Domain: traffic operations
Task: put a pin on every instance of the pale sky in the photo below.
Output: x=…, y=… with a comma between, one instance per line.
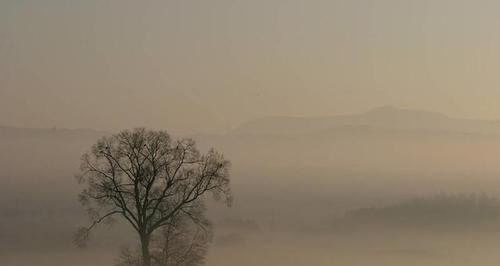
x=205, y=66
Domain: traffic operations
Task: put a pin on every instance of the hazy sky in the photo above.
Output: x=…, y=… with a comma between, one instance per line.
x=207, y=65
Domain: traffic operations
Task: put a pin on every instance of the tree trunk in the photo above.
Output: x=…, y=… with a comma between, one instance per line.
x=146, y=257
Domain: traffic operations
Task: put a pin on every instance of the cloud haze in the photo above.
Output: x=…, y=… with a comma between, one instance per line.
x=207, y=66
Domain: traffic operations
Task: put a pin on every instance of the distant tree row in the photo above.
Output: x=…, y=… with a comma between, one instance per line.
x=440, y=211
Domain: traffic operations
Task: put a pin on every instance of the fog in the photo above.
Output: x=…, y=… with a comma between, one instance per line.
x=125, y=63
x=359, y=132
x=350, y=194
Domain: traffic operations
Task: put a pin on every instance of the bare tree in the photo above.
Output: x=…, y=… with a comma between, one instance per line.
x=149, y=180
x=184, y=242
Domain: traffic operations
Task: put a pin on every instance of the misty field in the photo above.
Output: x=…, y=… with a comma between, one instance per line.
x=293, y=250
x=345, y=196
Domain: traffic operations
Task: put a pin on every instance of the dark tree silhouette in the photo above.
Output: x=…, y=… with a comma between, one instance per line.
x=149, y=180
x=184, y=242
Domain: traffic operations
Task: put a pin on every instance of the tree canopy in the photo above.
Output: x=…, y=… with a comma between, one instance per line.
x=149, y=179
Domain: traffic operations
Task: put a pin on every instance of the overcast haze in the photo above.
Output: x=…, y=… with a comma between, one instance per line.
x=207, y=66
x=359, y=132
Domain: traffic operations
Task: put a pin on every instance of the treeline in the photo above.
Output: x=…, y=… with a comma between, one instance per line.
x=443, y=212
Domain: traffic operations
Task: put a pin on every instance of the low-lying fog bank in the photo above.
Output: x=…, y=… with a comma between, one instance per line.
x=345, y=195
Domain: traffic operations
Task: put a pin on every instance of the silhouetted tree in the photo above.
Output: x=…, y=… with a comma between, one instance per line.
x=183, y=242
x=149, y=180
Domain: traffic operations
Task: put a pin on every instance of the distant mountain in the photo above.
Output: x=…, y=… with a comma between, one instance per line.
x=387, y=117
